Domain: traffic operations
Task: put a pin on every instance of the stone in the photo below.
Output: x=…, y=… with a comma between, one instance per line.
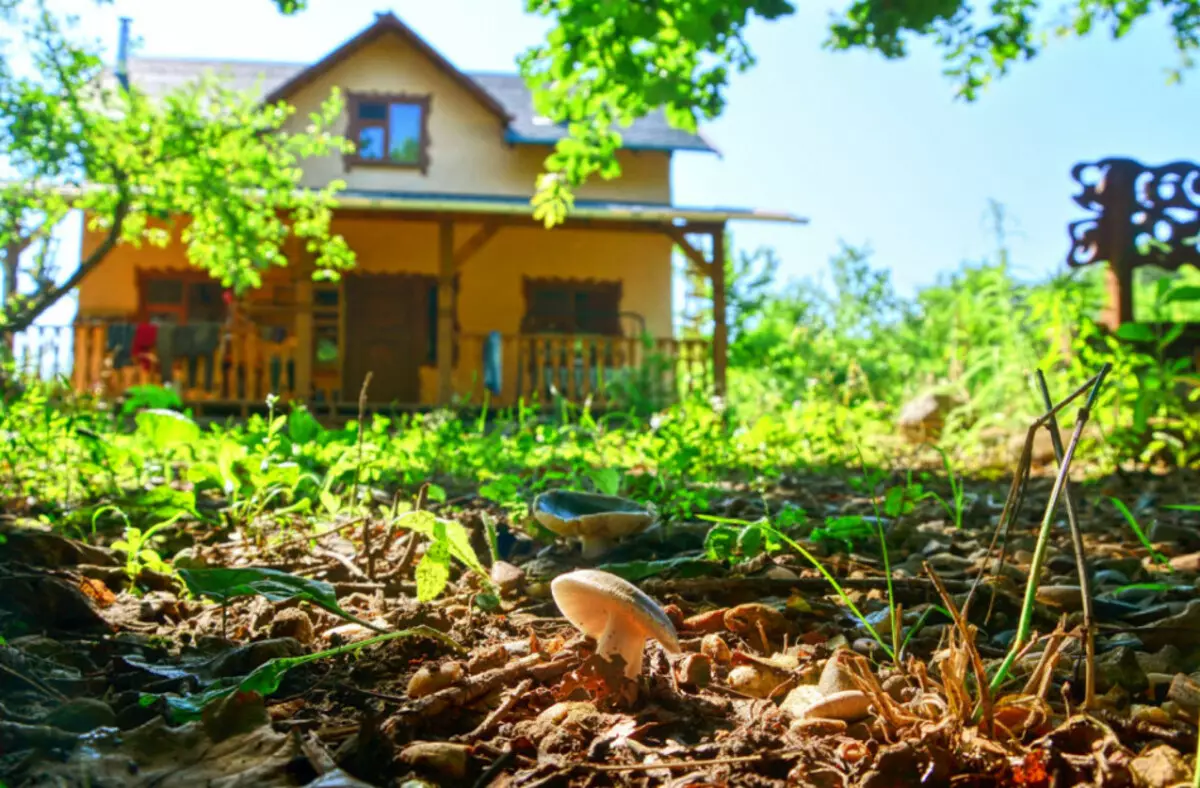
x=445, y=759
x=1120, y=668
x=1159, y=767
x=81, y=715
x=922, y=419
x=509, y=579
x=244, y=659
x=292, y=622
x=1177, y=535
x=1111, y=577
x=1186, y=563
x=1167, y=659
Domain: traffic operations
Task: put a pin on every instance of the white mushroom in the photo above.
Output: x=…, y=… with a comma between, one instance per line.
x=597, y=520
x=614, y=612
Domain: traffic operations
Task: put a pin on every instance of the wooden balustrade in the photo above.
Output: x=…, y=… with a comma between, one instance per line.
x=608, y=372
x=244, y=369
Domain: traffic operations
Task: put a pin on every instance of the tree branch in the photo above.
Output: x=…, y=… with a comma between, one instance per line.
x=41, y=301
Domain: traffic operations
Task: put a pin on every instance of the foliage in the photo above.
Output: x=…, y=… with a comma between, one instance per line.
x=605, y=63
x=225, y=584
x=74, y=139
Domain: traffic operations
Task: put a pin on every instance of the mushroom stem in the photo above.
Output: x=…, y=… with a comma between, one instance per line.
x=594, y=546
x=617, y=639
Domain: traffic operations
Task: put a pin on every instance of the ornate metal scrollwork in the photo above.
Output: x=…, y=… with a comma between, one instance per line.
x=1134, y=205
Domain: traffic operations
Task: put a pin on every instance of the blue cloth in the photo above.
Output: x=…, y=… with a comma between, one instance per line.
x=492, y=362
x=120, y=344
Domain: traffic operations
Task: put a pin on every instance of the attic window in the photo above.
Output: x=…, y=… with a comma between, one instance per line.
x=389, y=131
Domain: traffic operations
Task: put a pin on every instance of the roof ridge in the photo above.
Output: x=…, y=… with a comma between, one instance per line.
x=231, y=60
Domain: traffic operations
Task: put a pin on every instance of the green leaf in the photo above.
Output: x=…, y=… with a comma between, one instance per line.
x=303, y=427
x=684, y=566
x=1135, y=332
x=433, y=571
x=750, y=541
x=606, y=480
x=435, y=493
x=227, y=584
x=455, y=534
x=166, y=428
x=720, y=544
x=1183, y=293
x=266, y=678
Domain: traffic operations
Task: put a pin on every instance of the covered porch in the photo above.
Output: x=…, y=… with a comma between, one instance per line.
x=417, y=314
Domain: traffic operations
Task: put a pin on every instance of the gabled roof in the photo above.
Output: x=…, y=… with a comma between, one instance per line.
x=387, y=23
x=505, y=95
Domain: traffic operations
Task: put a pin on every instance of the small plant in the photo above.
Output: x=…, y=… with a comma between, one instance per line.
x=139, y=551
x=1139, y=533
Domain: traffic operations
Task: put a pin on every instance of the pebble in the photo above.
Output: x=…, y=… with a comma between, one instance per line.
x=292, y=622
x=848, y=706
x=445, y=758
x=81, y=715
x=1111, y=577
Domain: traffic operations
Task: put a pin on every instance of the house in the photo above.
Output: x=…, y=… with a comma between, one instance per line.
x=458, y=293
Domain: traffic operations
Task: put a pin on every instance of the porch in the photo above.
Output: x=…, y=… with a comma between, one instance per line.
x=453, y=300
x=497, y=369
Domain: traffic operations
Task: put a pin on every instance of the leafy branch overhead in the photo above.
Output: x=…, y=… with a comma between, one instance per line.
x=605, y=63
x=75, y=139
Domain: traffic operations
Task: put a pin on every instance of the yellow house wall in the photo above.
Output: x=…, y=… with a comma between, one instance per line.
x=467, y=151
x=491, y=295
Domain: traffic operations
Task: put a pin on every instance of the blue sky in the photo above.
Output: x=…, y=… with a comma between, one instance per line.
x=871, y=151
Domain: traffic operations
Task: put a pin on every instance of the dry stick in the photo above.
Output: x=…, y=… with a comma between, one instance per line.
x=1016, y=492
x=1039, y=551
x=366, y=531
x=1081, y=566
x=1054, y=651
x=985, y=695
x=510, y=700
x=319, y=534
x=729, y=761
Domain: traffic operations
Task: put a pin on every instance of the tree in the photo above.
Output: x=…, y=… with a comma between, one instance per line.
x=607, y=62
x=207, y=161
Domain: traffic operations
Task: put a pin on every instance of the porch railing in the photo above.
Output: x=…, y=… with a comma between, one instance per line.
x=244, y=368
x=610, y=372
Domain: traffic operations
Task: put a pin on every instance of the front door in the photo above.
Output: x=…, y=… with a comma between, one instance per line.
x=387, y=334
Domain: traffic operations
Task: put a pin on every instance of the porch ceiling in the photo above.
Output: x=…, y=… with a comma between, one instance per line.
x=494, y=205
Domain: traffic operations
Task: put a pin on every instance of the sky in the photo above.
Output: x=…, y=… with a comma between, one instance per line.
x=872, y=152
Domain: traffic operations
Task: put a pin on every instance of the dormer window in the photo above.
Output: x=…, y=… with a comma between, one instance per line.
x=389, y=131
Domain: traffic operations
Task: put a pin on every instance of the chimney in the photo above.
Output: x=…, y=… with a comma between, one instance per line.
x=123, y=53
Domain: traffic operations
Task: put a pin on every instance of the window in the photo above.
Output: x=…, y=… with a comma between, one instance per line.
x=389, y=131
x=568, y=306
x=181, y=298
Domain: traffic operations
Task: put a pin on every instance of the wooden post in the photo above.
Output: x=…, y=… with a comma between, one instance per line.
x=1120, y=294
x=445, y=311
x=8, y=288
x=304, y=333
x=720, y=347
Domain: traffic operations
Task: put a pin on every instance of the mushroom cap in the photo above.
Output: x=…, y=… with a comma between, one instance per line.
x=588, y=597
x=570, y=513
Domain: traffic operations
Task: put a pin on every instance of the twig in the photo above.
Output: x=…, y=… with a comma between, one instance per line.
x=1081, y=566
x=319, y=534
x=498, y=713
x=727, y=761
x=1039, y=551
x=1039, y=680
x=366, y=531
x=1016, y=492
x=697, y=586
x=985, y=695
x=477, y=686
x=341, y=559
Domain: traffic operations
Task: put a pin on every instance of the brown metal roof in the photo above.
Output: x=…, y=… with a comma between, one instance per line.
x=384, y=24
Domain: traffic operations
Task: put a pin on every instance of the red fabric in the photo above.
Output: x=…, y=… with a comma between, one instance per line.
x=145, y=338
